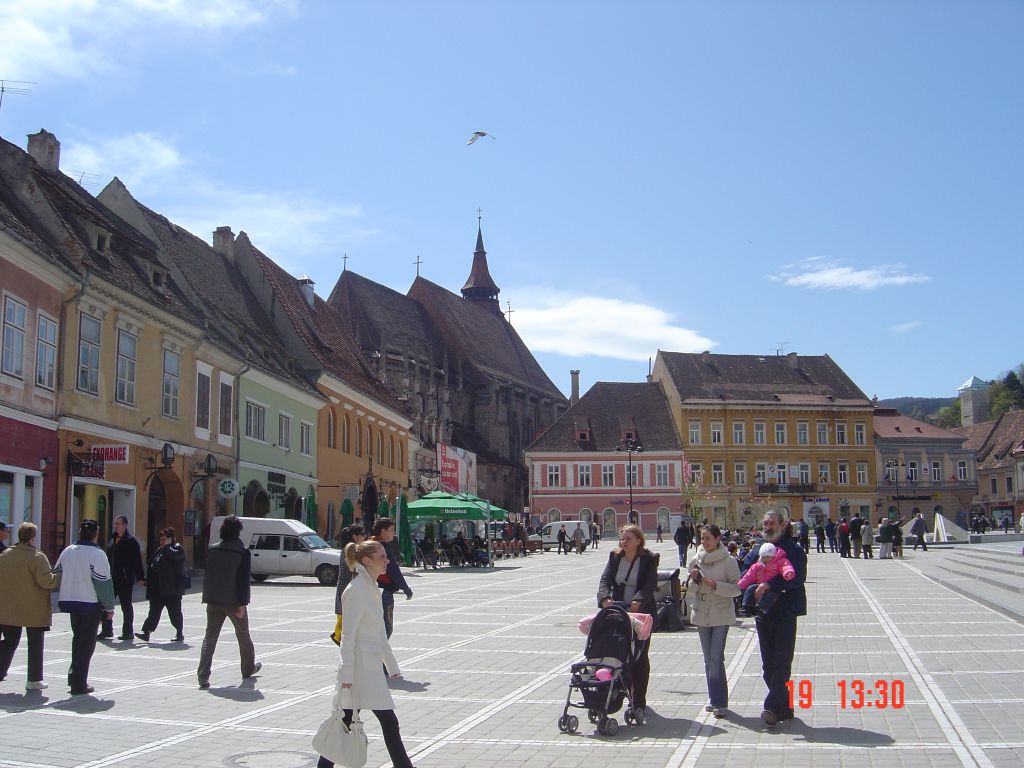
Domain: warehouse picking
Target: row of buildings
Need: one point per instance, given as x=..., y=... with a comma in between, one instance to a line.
x=741, y=433
x=150, y=373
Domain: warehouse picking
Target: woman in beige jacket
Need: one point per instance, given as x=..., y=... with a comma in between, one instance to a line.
x=27, y=579
x=714, y=574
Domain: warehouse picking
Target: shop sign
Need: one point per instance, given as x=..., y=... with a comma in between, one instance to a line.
x=112, y=454
x=228, y=487
x=86, y=465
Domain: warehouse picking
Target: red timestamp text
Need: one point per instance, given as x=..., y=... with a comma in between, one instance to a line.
x=853, y=694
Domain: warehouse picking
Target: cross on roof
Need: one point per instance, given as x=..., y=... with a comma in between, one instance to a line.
x=344, y=262
x=508, y=312
x=417, y=263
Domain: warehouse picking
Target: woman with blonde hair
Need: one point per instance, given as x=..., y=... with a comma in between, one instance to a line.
x=365, y=650
x=631, y=578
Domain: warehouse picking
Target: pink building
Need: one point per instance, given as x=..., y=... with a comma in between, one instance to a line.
x=619, y=440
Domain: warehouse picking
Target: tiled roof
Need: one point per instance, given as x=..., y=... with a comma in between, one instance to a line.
x=380, y=316
x=481, y=338
x=976, y=434
x=607, y=410
x=816, y=379
x=323, y=331
x=1003, y=438
x=890, y=423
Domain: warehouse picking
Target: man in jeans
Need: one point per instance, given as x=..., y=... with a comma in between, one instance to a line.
x=392, y=580
x=125, y=556
x=226, y=593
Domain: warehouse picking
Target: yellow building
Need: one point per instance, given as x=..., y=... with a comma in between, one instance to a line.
x=786, y=432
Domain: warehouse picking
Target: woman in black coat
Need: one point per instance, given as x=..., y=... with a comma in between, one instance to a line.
x=165, y=584
x=631, y=578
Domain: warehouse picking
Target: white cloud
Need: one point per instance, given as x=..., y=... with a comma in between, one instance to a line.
x=823, y=274
x=79, y=38
x=596, y=325
x=138, y=159
x=905, y=327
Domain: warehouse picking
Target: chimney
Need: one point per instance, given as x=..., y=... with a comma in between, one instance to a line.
x=575, y=396
x=794, y=361
x=705, y=357
x=224, y=242
x=306, y=286
x=45, y=149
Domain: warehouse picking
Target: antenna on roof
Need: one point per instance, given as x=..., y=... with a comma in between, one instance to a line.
x=85, y=179
x=781, y=349
x=14, y=87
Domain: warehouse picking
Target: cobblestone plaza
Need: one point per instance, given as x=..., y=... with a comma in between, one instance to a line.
x=485, y=655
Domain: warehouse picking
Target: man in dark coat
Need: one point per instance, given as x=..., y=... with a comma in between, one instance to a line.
x=165, y=585
x=392, y=580
x=830, y=534
x=919, y=528
x=125, y=556
x=776, y=632
x=682, y=537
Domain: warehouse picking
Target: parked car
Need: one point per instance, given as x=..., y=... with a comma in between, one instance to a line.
x=283, y=547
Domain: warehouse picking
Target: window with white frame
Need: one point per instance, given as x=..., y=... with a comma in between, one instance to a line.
x=739, y=432
x=631, y=475
x=760, y=474
x=805, y=473
x=88, y=379
x=822, y=429
x=284, y=431
x=961, y=470
x=840, y=433
x=554, y=476
x=823, y=472
x=661, y=475
x=936, y=472
x=331, y=428
x=15, y=317
x=912, y=475
x=716, y=433
x=718, y=474
x=694, y=433
x=740, y=472
x=255, y=421
x=226, y=408
x=380, y=448
x=46, y=352
x=607, y=475
x=862, y=473
x=305, y=439
x=843, y=473
x=780, y=433
x=781, y=474
x=171, y=386
x=203, y=399
x=127, y=359
x=1009, y=484
x=696, y=472
x=802, y=430
x=860, y=433
x=583, y=475
x=759, y=433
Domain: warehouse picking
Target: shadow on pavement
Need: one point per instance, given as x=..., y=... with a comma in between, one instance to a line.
x=85, y=705
x=836, y=735
x=244, y=691
x=410, y=686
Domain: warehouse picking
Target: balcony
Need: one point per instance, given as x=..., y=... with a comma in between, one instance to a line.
x=779, y=489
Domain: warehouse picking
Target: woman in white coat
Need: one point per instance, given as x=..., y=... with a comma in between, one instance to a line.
x=715, y=573
x=365, y=650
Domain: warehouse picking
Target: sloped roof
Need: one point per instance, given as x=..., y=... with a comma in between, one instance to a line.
x=481, y=338
x=767, y=378
x=891, y=424
x=324, y=332
x=973, y=383
x=1000, y=440
x=380, y=316
x=607, y=410
x=479, y=275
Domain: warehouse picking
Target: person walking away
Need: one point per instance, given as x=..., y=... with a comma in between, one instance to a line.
x=661, y=530
x=897, y=538
x=226, y=595
x=919, y=528
x=830, y=534
x=855, y=524
x=884, y=539
x=563, y=537
x=682, y=538
x=803, y=533
x=365, y=650
x=392, y=580
x=165, y=585
x=125, y=556
x=86, y=594
x=352, y=533
x=776, y=632
x=594, y=538
x=28, y=581
x=844, y=538
x=867, y=538
x=715, y=573
x=819, y=535
x=631, y=578
x=579, y=540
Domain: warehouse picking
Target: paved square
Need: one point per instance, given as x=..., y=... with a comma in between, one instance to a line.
x=485, y=656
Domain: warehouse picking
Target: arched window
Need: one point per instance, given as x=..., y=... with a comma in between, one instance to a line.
x=344, y=434
x=369, y=441
x=380, y=449
x=391, y=451
x=330, y=427
x=401, y=456
x=359, y=438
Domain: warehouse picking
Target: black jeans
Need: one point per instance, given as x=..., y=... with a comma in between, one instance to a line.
x=392, y=739
x=11, y=636
x=124, y=596
x=156, y=607
x=776, y=636
x=84, y=627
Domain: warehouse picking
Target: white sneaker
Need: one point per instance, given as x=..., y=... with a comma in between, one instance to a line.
x=708, y=708
x=35, y=685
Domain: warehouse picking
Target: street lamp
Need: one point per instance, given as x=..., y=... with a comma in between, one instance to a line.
x=629, y=446
x=893, y=467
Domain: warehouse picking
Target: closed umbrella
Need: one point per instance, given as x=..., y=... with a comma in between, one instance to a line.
x=348, y=513
x=370, y=502
x=405, y=547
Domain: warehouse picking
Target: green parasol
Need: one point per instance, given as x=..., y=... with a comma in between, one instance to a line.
x=404, y=533
x=348, y=512
x=311, y=516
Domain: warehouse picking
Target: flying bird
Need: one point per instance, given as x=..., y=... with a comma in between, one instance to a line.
x=477, y=135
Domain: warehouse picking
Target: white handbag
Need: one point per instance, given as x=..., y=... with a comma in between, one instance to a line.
x=344, y=745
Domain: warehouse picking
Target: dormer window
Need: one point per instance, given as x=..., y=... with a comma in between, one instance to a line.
x=583, y=435
x=158, y=278
x=102, y=242
x=629, y=435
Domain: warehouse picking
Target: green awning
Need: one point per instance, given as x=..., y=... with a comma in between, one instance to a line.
x=441, y=505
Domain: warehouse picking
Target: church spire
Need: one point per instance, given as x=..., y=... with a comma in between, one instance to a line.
x=480, y=286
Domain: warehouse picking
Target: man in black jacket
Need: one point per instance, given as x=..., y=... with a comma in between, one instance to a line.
x=392, y=580
x=683, y=538
x=125, y=556
x=226, y=593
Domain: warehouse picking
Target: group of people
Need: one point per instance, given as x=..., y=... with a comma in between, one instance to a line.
x=577, y=540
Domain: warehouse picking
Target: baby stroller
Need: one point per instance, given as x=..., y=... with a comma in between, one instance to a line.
x=604, y=680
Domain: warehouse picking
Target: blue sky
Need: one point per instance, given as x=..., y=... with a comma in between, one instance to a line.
x=821, y=177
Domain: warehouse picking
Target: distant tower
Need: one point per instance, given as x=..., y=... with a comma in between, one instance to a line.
x=973, y=402
x=480, y=287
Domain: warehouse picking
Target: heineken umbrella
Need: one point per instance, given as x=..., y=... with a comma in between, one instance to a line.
x=441, y=505
x=404, y=533
x=497, y=513
x=348, y=513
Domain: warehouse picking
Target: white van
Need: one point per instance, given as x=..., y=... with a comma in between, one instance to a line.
x=282, y=547
x=549, y=533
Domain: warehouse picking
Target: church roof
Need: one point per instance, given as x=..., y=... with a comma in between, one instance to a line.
x=480, y=280
x=606, y=412
x=482, y=338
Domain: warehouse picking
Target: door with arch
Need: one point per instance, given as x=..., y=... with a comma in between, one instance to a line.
x=665, y=520
x=608, y=522
x=255, y=501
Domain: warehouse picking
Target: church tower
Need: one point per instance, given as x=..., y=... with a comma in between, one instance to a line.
x=480, y=287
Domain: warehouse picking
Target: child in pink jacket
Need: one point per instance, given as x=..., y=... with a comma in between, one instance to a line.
x=771, y=562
